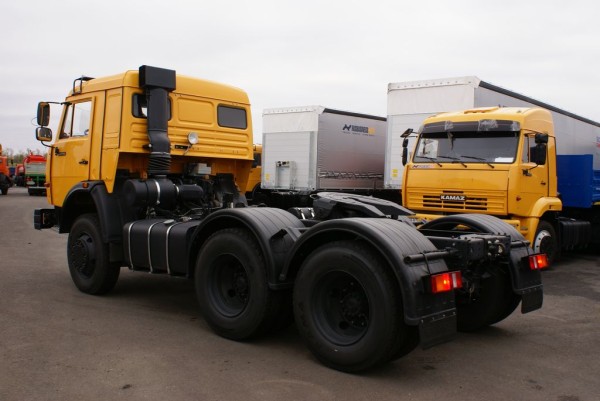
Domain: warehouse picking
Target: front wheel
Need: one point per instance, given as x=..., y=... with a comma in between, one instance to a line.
x=89, y=264
x=348, y=308
x=545, y=241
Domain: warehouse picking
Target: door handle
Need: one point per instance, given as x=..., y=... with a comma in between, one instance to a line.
x=83, y=161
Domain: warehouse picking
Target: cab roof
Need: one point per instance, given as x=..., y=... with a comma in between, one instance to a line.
x=184, y=85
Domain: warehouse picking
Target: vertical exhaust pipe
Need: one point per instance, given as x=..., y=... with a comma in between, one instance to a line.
x=158, y=82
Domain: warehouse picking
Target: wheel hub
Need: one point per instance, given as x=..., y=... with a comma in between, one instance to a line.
x=542, y=242
x=354, y=308
x=82, y=255
x=342, y=308
x=229, y=286
x=240, y=285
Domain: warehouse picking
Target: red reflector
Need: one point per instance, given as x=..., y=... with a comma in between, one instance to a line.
x=445, y=282
x=538, y=261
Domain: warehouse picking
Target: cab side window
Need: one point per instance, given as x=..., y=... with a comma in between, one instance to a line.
x=77, y=120
x=532, y=151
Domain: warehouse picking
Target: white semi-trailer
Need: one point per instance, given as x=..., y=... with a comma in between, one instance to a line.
x=313, y=148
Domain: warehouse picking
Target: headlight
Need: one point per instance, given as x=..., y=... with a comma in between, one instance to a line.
x=193, y=138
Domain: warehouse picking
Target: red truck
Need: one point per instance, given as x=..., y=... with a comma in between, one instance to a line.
x=35, y=174
x=5, y=181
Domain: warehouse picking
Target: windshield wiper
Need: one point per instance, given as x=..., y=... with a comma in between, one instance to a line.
x=480, y=159
x=454, y=160
x=431, y=159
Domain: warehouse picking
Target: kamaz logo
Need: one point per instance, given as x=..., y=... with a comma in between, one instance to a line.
x=460, y=198
x=358, y=129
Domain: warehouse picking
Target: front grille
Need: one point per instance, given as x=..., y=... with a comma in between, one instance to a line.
x=479, y=204
x=491, y=202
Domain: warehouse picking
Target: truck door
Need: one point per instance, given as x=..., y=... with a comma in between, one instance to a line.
x=534, y=183
x=71, y=151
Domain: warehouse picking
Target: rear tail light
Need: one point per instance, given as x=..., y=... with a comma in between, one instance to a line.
x=538, y=261
x=445, y=282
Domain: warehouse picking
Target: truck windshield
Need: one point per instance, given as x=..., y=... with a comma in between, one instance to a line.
x=467, y=147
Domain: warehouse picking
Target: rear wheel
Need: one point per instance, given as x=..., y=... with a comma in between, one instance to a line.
x=88, y=258
x=492, y=298
x=232, y=289
x=349, y=309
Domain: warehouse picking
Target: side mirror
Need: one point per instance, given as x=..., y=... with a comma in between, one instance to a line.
x=538, y=153
x=405, y=151
x=43, y=114
x=43, y=134
x=541, y=138
x=406, y=133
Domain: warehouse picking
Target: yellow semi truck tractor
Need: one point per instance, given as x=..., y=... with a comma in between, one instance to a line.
x=502, y=161
x=539, y=170
x=145, y=171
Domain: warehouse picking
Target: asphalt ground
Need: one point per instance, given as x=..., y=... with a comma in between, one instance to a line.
x=146, y=340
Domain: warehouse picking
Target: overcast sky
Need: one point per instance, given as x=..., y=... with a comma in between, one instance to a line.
x=338, y=54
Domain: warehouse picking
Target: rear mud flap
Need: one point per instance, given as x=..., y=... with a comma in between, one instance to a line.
x=437, y=329
x=526, y=282
x=532, y=299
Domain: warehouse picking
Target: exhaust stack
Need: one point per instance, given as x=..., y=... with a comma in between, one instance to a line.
x=158, y=82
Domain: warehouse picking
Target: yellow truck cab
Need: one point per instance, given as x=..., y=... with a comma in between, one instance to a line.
x=493, y=160
x=102, y=134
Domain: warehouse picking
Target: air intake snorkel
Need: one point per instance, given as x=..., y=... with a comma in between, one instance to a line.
x=158, y=82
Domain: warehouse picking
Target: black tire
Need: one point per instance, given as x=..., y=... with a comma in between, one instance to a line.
x=545, y=241
x=89, y=264
x=232, y=288
x=348, y=308
x=495, y=300
x=4, y=184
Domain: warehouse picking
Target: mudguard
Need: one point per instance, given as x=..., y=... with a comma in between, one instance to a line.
x=89, y=198
x=395, y=241
x=526, y=282
x=271, y=227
